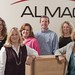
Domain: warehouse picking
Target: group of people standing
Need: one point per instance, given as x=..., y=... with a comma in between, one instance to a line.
x=23, y=46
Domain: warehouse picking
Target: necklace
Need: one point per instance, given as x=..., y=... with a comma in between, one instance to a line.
x=20, y=57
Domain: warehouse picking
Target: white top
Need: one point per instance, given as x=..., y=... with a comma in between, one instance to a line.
x=30, y=51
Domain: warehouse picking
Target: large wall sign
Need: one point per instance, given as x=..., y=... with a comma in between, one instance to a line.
x=18, y=12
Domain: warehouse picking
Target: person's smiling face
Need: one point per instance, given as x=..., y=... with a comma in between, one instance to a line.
x=14, y=37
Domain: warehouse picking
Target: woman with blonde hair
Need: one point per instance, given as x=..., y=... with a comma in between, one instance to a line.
x=69, y=58
x=66, y=30
x=13, y=54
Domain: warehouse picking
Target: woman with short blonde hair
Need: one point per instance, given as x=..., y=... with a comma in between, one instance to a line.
x=69, y=58
x=65, y=37
x=9, y=42
x=13, y=54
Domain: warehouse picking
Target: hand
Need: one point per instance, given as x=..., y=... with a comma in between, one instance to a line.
x=30, y=59
x=62, y=59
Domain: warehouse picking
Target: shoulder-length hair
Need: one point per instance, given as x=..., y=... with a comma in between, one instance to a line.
x=8, y=42
x=4, y=31
x=61, y=29
x=23, y=28
x=73, y=36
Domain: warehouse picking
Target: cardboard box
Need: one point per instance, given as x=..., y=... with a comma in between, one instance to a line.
x=45, y=65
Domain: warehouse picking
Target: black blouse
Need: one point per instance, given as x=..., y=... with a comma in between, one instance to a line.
x=64, y=41
x=2, y=42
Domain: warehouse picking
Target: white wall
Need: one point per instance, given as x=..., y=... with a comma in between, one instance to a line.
x=12, y=13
